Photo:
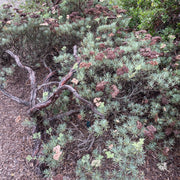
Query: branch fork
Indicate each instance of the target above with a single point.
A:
(61, 86)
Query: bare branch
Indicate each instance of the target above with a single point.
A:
(90, 104)
(47, 84)
(58, 91)
(60, 116)
(31, 77)
(20, 101)
(45, 65)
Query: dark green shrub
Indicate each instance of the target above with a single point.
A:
(155, 16)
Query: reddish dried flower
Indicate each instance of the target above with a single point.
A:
(156, 117)
(99, 37)
(115, 7)
(151, 128)
(155, 40)
(34, 15)
(99, 57)
(150, 132)
(120, 11)
(146, 52)
(90, 3)
(166, 151)
(85, 65)
(100, 86)
(111, 35)
(102, 45)
(115, 91)
(147, 37)
(107, 50)
(121, 52)
(124, 43)
(118, 32)
(168, 131)
(91, 53)
(149, 135)
(123, 70)
(164, 100)
(111, 55)
(154, 63)
(177, 57)
(79, 116)
(139, 125)
(145, 101)
(83, 56)
(116, 49)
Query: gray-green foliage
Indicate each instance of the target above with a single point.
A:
(137, 89)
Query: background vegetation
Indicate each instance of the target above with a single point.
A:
(129, 81)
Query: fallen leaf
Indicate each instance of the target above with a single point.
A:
(57, 156)
(115, 91)
(162, 166)
(111, 35)
(56, 149)
(110, 146)
(98, 104)
(51, 20)
(96, 100)
(9, 22)
(18, 118)
(178, 57)
(79, 116)
(75, 81)
(44, 24)
(96, 163)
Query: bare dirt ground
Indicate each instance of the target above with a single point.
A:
(15, 139)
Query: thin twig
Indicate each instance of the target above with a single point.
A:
(77, 128)
(92, 142)
(60, 116)
(19, 100)
(45, 65)
(37, 145)
(47, 84)
(89, 104)
(58, 91)
(47, 78)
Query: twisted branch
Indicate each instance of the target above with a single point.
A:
(62, 86)
(19, 100)
(31, 77)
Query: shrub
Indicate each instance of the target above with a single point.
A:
(128, 82)
(157, 17)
